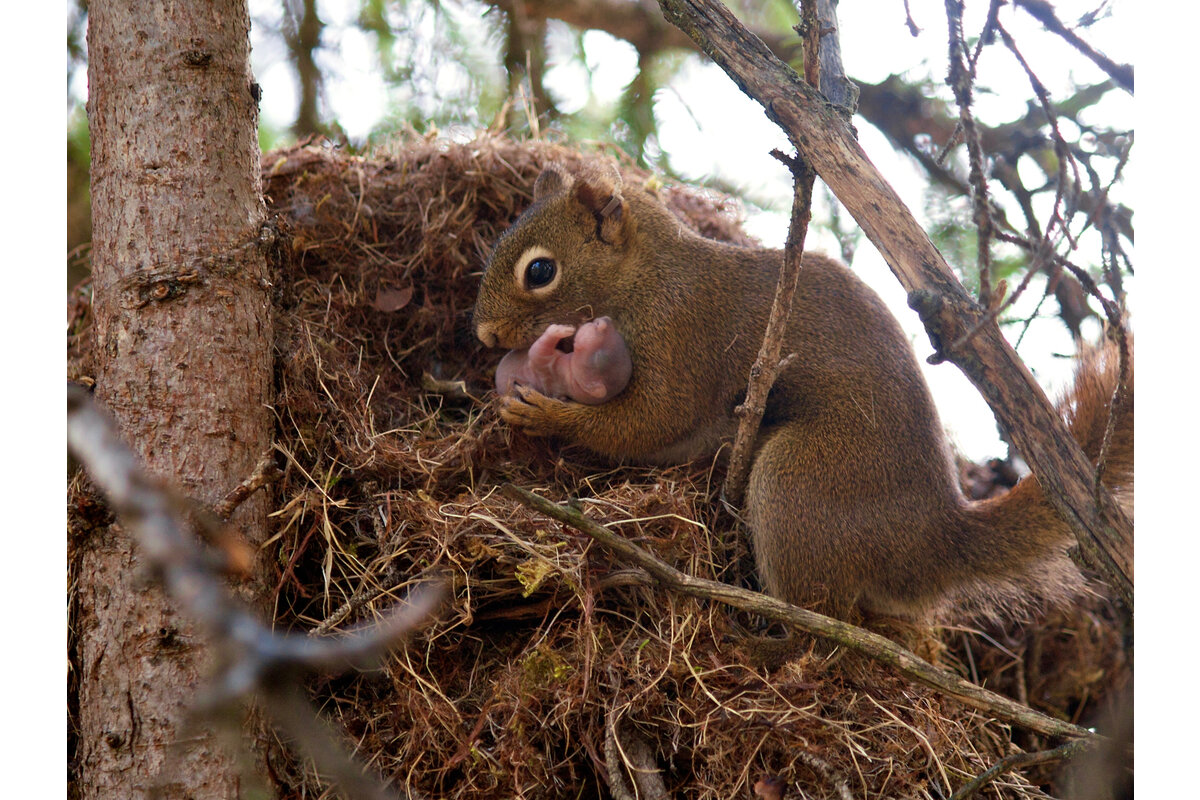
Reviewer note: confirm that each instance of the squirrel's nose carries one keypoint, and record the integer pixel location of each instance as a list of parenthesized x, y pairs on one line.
[(486, 333)]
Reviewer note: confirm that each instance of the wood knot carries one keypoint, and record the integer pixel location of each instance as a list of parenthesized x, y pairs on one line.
[(197, 59)]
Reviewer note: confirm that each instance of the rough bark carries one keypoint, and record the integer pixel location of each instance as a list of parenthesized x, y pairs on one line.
[(183, 334), (837, 88), (826, 143)]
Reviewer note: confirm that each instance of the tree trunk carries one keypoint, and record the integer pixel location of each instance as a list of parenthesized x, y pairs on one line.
[(183, 336)]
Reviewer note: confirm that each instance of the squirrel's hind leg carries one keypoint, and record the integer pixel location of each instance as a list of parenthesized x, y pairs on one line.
[(802, 554), (830, 532)]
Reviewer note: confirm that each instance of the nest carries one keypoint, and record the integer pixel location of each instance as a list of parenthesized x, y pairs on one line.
[(556, 671)]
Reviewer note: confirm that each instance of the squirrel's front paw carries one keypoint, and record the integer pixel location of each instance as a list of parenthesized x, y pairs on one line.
[(533, 412)]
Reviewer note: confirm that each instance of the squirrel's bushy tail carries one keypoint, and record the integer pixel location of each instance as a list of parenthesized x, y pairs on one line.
[(1021, 529)]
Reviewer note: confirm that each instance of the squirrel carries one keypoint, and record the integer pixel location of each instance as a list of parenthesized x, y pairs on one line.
[(853, 503), (596, 370)]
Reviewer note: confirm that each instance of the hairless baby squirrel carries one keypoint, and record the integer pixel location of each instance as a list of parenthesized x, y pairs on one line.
[(853, 501), (596, 370)]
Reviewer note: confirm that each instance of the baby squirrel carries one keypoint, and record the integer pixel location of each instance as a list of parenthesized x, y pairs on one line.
[(596, 370), (853, 502)]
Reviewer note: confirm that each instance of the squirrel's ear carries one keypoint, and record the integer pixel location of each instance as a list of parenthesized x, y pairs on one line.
[(599, 191), (553, 180)]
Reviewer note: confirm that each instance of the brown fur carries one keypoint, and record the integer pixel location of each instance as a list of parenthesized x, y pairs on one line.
[(853, 500)]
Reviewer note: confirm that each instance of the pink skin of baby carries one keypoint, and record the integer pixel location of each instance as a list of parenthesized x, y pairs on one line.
[(597, 369)]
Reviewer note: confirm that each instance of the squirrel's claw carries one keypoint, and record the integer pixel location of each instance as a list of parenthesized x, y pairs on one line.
[(533, 412)]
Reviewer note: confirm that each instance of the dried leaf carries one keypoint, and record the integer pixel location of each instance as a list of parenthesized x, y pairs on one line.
[(389, 300)]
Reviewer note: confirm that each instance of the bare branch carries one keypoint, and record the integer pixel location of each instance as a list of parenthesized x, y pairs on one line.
[(837, 88), (961, 81), (767, 366), (858, 639), (913, 30), (1043, 12), (1064, 751), (265, 473), (909, 118)]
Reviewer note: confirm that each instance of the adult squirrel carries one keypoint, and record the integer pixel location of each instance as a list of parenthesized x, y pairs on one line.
[(853, 500)]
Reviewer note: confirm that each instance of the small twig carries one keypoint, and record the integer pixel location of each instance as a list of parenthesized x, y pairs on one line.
[(1116, 405), (858, 639), (264, 474), (1068, 750), (768, 365), (287, 707), (1112, 311), (847, 239), (1061, 151), (1000, 303), (908, 20), (1043, 12), (364, 595), (988, 34), (1032, 316), (961, 80), (940, 159), (1116, 320)]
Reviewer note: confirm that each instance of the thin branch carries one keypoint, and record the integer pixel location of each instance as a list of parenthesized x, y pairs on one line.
[(1043, 12), (287, 707), (1119, 399), (1008, 763), (1116, 320), (768, 365), (837, 88), (265, 473), (913, 30), (961, 80), (899, 111), (810, 32), (858, 639), (1061, 151)]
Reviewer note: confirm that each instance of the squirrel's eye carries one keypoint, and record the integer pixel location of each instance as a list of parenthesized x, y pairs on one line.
[(539, 272)]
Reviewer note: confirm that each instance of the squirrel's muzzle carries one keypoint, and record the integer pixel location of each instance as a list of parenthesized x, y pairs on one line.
[(486, 333)]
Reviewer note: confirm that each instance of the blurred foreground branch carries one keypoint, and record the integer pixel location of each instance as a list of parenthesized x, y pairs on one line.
[(254, 663)]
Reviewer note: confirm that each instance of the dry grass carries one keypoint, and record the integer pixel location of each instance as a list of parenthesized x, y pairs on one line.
[(392, 454)]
